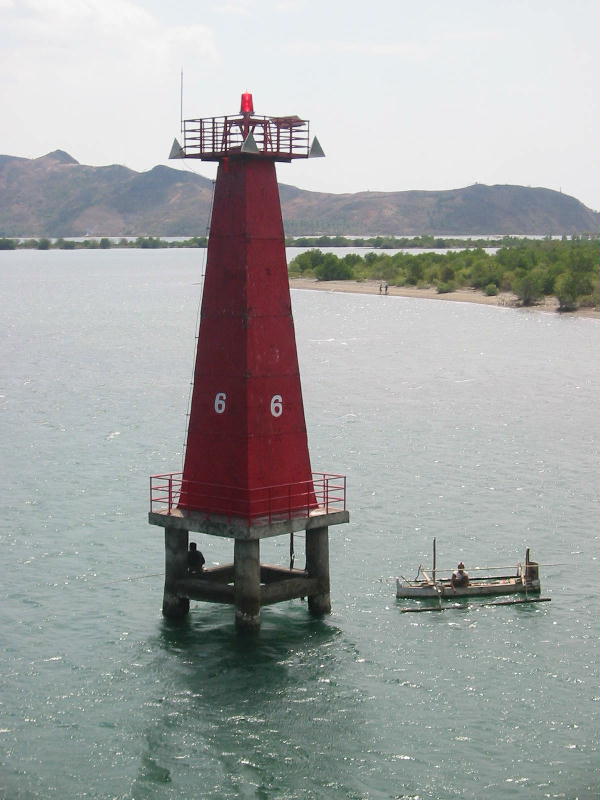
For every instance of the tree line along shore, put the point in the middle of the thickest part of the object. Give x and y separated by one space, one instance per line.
104 243
532 269
424 241
567 269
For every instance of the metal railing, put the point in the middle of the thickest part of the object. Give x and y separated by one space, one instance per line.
325 492
214 137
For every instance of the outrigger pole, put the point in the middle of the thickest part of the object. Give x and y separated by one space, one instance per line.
475 605
506 566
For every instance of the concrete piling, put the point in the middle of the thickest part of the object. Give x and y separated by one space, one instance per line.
246 564
317 566
176 550
246 584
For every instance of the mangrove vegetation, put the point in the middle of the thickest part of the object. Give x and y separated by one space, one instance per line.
530 269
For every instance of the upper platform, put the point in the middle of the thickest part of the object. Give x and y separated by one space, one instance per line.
249 514
246 134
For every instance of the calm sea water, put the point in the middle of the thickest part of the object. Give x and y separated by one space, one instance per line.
473 424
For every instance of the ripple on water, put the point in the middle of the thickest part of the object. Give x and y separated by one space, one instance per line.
102 698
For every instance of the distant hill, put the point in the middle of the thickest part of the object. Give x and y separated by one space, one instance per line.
56 196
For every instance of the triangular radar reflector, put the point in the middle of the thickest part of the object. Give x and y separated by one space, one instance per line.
316 151
176 150
249 145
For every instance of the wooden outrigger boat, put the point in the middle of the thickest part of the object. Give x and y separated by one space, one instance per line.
428 585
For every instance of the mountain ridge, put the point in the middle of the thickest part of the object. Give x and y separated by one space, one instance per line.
54 195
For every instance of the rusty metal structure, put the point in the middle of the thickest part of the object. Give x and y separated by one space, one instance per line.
247 473
275 138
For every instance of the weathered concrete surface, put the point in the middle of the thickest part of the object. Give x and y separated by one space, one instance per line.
317 567
275 591
206 591
176 550
237 528
246 583
288 590
246 591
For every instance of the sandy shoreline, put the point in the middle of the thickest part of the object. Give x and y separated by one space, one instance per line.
504 299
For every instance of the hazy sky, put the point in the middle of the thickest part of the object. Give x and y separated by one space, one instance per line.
403 94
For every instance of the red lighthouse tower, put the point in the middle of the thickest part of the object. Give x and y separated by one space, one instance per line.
247 472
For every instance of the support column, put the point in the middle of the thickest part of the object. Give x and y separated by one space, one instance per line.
176 549
317 566
246 565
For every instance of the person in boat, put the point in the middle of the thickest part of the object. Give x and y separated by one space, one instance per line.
459 578
196 560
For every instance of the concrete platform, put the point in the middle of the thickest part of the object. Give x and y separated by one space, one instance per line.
238 528
216 585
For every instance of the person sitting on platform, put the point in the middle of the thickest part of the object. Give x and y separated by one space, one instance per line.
196 560
460 578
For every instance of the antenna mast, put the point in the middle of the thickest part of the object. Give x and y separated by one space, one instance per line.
181 102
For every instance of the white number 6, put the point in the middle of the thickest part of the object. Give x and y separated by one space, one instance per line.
276 405
220 398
